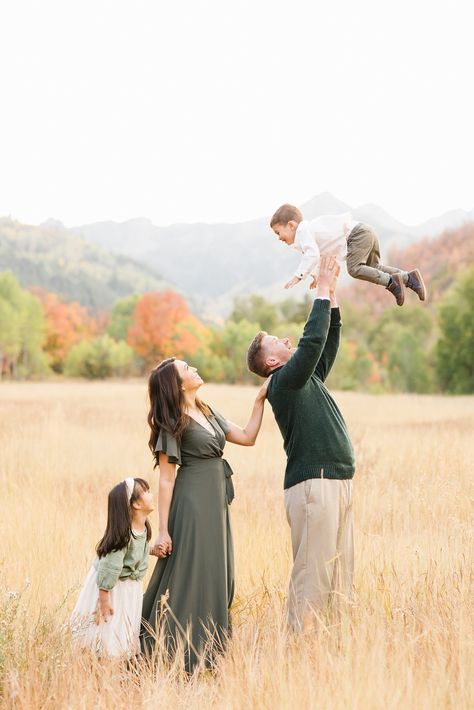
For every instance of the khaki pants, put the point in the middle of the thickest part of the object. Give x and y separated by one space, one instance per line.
319 512
363 257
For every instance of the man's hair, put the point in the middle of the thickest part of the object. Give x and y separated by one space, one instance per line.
284 214
256 356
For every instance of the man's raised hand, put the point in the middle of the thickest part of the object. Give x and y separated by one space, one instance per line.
328 270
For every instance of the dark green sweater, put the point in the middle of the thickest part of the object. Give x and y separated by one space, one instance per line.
315 436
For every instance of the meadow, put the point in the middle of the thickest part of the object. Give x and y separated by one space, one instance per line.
406 641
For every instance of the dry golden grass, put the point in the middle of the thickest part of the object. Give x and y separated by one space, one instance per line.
405 643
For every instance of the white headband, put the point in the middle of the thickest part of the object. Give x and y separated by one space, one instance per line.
130 483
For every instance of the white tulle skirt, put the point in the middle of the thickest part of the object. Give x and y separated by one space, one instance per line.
120 635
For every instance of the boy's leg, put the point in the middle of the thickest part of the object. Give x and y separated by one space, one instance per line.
313 512
363 256
363 262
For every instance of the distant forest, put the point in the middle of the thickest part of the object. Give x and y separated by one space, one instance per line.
416 348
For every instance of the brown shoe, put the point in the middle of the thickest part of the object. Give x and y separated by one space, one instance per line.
416 283
397 287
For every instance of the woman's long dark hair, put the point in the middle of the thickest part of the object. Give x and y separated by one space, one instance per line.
168 404
119 517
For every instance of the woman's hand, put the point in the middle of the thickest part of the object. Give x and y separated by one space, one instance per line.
262 392
163 545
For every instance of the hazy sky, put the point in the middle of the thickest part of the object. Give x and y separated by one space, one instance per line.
216 111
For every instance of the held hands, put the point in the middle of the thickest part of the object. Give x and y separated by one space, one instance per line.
295 280
163 546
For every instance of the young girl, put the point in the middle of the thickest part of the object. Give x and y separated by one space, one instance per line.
108 612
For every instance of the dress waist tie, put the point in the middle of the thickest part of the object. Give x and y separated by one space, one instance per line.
229 486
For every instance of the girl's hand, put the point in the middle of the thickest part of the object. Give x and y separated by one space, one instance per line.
163 545
262 392
104 608
314 282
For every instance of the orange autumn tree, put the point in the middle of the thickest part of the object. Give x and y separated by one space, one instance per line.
67 323
155 324
190 337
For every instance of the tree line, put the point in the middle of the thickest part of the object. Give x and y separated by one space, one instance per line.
409 349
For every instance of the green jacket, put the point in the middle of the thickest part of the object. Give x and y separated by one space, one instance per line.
130 562
315 436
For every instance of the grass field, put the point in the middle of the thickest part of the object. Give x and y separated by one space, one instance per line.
407 641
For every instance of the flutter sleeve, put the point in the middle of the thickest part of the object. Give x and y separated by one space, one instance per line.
223 423
168 444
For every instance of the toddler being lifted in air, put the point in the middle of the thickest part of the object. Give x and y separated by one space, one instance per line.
340 236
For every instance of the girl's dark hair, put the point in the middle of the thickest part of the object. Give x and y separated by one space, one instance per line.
167 404
119 517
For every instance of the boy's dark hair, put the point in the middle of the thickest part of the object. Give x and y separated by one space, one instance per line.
119 517
256 356
284 214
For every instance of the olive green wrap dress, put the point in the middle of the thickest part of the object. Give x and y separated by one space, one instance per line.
198 576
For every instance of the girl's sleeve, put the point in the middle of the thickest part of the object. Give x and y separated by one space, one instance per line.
109 568
222 421
168 444
143 566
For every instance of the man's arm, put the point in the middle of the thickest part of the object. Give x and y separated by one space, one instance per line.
326 361
303 362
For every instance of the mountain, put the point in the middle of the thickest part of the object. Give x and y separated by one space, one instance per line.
52 257
441 260
449 220
210 264
215 262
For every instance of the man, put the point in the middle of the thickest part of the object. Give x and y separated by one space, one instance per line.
320 458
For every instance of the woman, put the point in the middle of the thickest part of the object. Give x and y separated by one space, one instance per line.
192 585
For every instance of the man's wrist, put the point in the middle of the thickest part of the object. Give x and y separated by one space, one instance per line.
322 291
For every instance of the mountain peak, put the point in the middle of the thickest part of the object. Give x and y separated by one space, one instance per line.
324 203
52 224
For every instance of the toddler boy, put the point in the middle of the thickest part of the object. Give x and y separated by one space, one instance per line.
341 236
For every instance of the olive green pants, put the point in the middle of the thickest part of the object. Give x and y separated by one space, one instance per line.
319 512
363 257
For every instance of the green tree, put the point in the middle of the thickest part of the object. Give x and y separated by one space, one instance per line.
121 317
99 358
455 347
402 344
231 346
352 368
293 311
21 330
255 309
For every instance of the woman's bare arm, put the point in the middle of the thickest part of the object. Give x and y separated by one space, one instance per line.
247 435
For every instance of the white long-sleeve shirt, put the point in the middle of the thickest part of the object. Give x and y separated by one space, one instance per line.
325 235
